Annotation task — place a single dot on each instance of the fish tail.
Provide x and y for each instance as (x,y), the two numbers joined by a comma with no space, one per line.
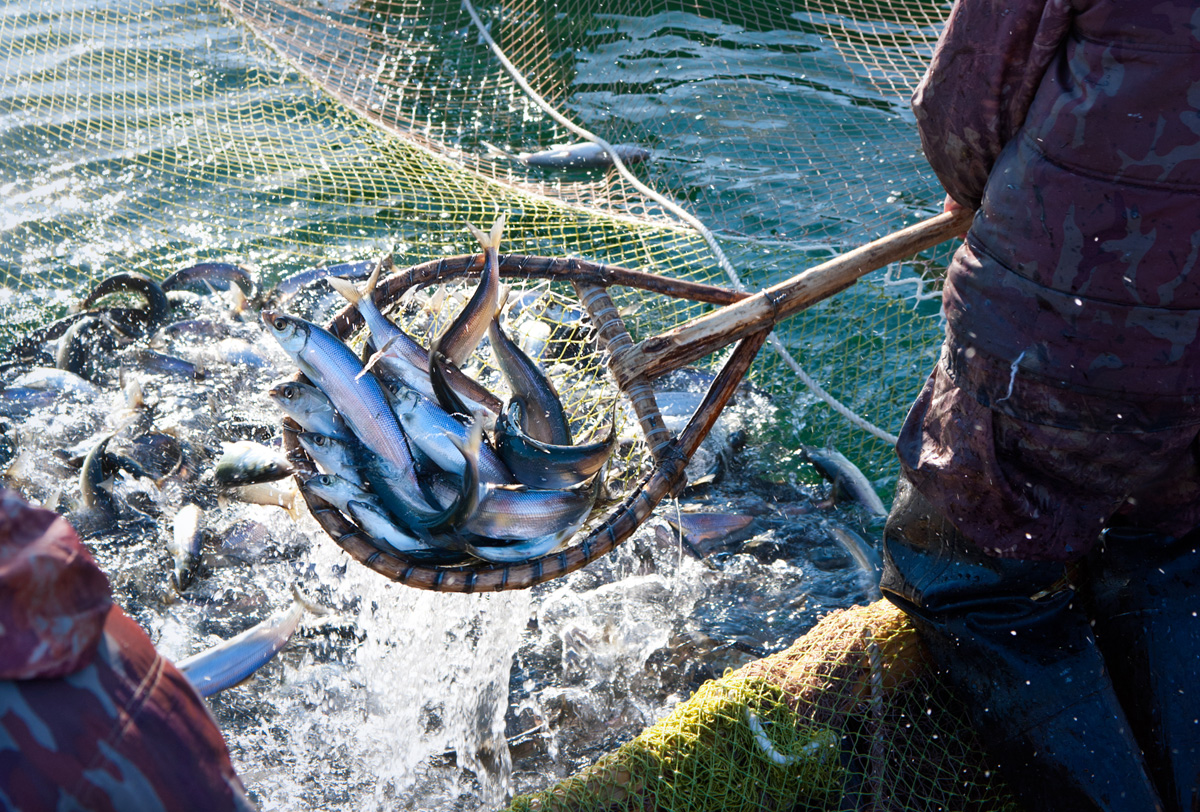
(497,232)
(346,288)
(369,291)
(485,241)
(315,608)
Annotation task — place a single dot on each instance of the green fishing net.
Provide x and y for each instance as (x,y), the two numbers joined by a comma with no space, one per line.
(148,136)
(850,717)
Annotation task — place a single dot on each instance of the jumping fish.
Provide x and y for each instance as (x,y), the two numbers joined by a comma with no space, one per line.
(157,305)
(187,536)
(97,468)
(247,463)
(235,660)
(468,328)
(848,481)
(205,274)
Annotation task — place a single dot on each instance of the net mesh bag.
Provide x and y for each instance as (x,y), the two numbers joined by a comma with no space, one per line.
(849,717)
(149,136)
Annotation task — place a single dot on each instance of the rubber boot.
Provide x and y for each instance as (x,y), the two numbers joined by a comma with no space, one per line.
(1011,642)
(1144,591)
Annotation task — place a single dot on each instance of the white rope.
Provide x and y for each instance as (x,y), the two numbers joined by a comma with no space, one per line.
(683,215)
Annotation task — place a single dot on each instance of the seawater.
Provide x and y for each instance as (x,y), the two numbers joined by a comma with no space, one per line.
(404,699)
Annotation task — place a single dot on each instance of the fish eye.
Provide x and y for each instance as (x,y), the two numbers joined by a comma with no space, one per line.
(288,391)
(279,323)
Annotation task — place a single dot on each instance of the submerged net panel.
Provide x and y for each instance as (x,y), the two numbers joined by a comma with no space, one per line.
(849,717)
(147,136)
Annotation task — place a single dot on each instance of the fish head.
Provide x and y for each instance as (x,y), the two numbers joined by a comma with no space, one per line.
(289,331)
(312,439)
(285,392)
(324,485)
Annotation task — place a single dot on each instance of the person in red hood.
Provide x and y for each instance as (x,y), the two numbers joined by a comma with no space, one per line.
(91,716)
(1044,537)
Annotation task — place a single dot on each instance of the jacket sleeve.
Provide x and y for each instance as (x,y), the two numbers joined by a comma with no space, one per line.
(985,69)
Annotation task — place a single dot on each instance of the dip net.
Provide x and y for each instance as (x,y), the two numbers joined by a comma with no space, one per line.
(139,136)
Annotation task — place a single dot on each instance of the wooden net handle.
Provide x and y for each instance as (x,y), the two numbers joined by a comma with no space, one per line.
(697,338)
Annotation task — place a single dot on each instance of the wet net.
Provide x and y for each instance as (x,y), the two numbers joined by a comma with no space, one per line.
(849,717)
(150,136)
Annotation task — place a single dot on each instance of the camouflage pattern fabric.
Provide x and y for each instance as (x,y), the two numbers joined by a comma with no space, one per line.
(91,717)
(1073,308)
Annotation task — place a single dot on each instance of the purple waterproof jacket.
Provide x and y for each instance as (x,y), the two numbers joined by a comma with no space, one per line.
(1074,127)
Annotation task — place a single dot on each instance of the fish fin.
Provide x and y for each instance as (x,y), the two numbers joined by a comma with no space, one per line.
(369,291)
(294,506)
(494,151)
(501,301)
(374,359)
(346,288)
(316,608)
(497,232)
(484,240)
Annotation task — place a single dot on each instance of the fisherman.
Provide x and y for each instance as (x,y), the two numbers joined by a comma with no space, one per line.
(91,717)
(1044,533)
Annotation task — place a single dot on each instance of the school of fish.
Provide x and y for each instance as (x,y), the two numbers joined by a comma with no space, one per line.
(422,457)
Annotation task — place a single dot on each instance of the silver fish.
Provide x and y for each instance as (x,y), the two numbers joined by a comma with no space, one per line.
(97,468)
(246,463)
(397,370)
(377,524)
(542,465)
(309,407)
(361,401)
(431,429)
(848,481)
(468,328)
(383,330)
(544,418)
(204,275)
(338,492)
(405,504)
(335,456)
(187,536)
(523,551)
(519,514)
(48,379)
(584,155)
(228,663)
(864,555)
(157,305)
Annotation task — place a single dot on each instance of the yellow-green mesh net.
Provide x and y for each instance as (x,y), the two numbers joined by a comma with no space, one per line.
(139,135)
(850,717)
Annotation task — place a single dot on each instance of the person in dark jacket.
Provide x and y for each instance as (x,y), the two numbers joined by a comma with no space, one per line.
(1044,533)
(91,716)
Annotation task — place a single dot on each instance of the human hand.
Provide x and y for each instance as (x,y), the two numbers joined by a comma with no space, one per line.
(949,205)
